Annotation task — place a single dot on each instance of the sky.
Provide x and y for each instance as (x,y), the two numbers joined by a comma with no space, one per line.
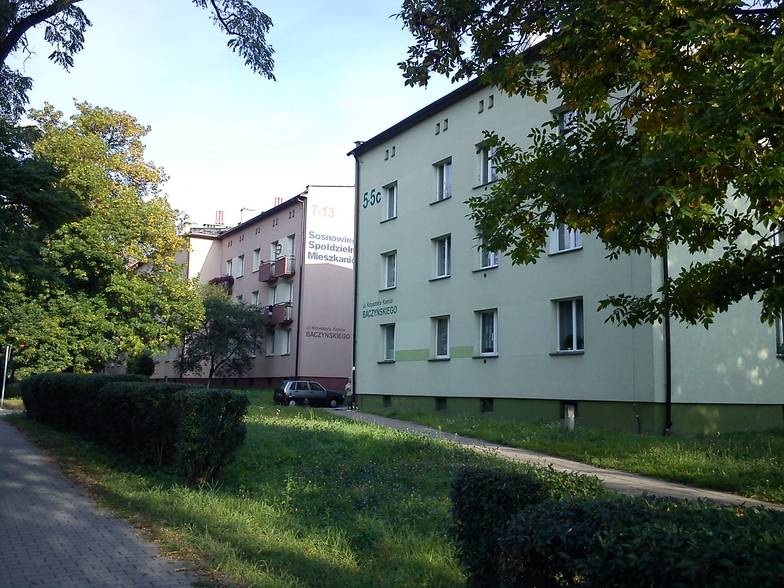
(228,138)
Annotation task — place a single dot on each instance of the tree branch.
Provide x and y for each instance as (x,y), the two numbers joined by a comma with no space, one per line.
(9,43)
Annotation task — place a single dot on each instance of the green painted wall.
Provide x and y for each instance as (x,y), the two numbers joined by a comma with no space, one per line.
(646,418)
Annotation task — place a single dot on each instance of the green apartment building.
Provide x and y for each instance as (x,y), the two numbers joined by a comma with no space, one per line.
(442,324)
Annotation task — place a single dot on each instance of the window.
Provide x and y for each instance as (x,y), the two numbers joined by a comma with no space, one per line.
(283,293)
(239,266)
(441,333)
(273,295)
(270,344)
(390,270)
(256,259)
(286,350)
(229,267)
(253,351)
(239,299)
(487,257)
(488,328)
(565,239)
(443,250)
(443,180)
(780,337)
(567,121)
(391,194)
(254,298)
(488,173)
(570,325)
(388,342)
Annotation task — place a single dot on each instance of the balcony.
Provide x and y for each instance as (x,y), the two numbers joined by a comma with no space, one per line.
(266,272)
(284,267)
(282,314)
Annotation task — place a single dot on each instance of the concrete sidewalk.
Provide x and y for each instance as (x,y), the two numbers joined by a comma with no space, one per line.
(51,533)
(614,480)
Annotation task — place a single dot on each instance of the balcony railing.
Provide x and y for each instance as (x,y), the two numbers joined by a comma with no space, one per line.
(282,313)
(284,266)
(266,273)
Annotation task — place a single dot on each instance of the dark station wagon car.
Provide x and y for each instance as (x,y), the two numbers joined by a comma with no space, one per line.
(294,392)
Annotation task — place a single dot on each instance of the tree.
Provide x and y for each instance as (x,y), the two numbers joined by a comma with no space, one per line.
(141,363)
(226,340)
(112,282)
(33,204)
(65,23)
(676,141)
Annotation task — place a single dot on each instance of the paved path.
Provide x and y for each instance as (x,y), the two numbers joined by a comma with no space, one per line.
(612,479)
(51,534)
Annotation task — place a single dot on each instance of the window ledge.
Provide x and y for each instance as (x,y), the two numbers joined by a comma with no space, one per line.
(440,278)
(484,269)
(440,200)
(386,361)
(485,356)
(480,186)
(577,352)
(440,359)
(386,220)
(389,288)
(565,251)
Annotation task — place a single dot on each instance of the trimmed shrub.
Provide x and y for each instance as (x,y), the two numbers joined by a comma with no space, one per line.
(193,429)
(633,542)
(483,501)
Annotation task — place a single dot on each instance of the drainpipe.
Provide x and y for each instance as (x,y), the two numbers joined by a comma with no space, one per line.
(300,269)
(667,356)
(356,277)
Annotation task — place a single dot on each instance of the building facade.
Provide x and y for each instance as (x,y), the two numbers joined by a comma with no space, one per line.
(295,263)
(444,324)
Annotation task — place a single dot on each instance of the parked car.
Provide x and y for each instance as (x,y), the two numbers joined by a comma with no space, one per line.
(294,392)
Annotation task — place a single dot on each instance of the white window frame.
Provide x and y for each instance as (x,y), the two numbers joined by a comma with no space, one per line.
(229,267)
(254,298)
(276,250)
(441,336)
(487,257)
(270,344)
(390,193)
(240,269)
(488,319)
(443,256)
(488,173)
(286,342)
(389,277)
(563,239)
(570,325)
(443,180)
(388,342)
(256,259)
(273,295)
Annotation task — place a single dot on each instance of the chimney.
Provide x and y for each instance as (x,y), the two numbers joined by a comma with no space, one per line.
(218,217)
(278,200)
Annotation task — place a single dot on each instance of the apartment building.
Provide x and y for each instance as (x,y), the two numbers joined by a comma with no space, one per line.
(295,263)
(444,324)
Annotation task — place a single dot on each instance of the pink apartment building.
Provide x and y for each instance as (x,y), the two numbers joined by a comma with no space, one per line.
(296,263)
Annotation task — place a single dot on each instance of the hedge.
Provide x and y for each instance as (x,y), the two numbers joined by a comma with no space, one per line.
(483,501)
(193,429)
(634,542)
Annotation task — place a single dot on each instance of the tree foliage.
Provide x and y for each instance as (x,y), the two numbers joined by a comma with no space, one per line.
(64,24)
(112,283)
(677,138)
(226,340)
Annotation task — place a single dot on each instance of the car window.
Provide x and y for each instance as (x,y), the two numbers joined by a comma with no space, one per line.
(317,386)
(301,386)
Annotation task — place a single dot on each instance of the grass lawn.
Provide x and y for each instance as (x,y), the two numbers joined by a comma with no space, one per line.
(311,501)
(748,463)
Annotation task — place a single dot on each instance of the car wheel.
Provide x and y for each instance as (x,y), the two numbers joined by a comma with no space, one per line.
(333,403)
(292,402)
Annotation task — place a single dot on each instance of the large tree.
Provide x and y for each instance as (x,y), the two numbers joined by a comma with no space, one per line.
(227,338)
(112,282)
(676,138)
(64,24)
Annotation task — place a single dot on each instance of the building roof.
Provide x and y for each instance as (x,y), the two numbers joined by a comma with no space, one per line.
(433,108)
